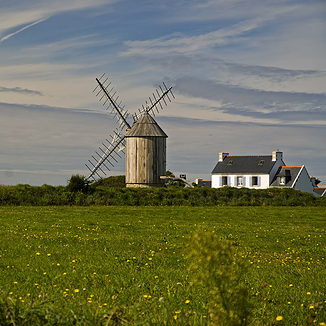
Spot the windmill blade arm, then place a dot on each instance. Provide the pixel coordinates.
(156, 103)
(105, 157)
(163, 95)
(90, 171)
(112, 102)
(170, 91)
(95, 172)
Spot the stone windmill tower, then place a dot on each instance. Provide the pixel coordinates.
(144, 141)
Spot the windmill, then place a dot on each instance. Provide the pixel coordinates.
(144, 141)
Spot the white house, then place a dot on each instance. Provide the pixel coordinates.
(251, 171)
(260, 172)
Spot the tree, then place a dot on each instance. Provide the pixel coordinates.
(169, 181)
(317, 181)
(78, 183)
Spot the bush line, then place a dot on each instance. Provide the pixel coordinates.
(46, 195)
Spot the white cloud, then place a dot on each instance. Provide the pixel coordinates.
(20, 30)
(251, 98)
(20, 90)
(34, 12)
(190, 45)
(268, 33)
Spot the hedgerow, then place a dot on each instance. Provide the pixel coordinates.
(46, 195)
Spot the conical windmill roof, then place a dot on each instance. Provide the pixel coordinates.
(146, 126)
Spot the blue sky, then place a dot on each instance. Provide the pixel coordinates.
(249, 78)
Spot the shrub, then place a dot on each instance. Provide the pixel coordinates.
(80, 191)
(112, 181)
(78, 183)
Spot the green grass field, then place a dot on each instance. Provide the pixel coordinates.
(129, 265)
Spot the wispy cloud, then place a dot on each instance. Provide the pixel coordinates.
(239, 19)
(194, 11)
(20, 90)
(274, 73)
(44, 172)
(286, 115)
(14, 16)
(178, 43)
(20, 30)
(215, 66)
(295, 106)
(197, 87)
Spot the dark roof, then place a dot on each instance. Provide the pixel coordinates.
(205, 183)
(245, 164)
(146, 126)
(289, 172)
(320, 191)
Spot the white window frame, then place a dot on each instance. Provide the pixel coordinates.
(239, 181)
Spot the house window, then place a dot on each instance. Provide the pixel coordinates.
(255, 181)
(224, 181)
(261, 162)
(282, 181)
(239, 181)
(230, 162)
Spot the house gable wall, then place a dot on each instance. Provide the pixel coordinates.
(303, 181)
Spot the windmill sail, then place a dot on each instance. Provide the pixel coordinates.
(111, 100)
(112, 149)
(154, 103)
(110, 153)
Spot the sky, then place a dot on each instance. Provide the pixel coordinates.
(249, 77)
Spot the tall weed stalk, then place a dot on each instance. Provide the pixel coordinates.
(220, 271)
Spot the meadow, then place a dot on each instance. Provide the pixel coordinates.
(128, 265)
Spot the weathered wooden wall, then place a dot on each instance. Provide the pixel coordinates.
(145, 161)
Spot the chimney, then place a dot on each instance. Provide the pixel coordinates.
(277, 155)
(313, 181)
(221, 156)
